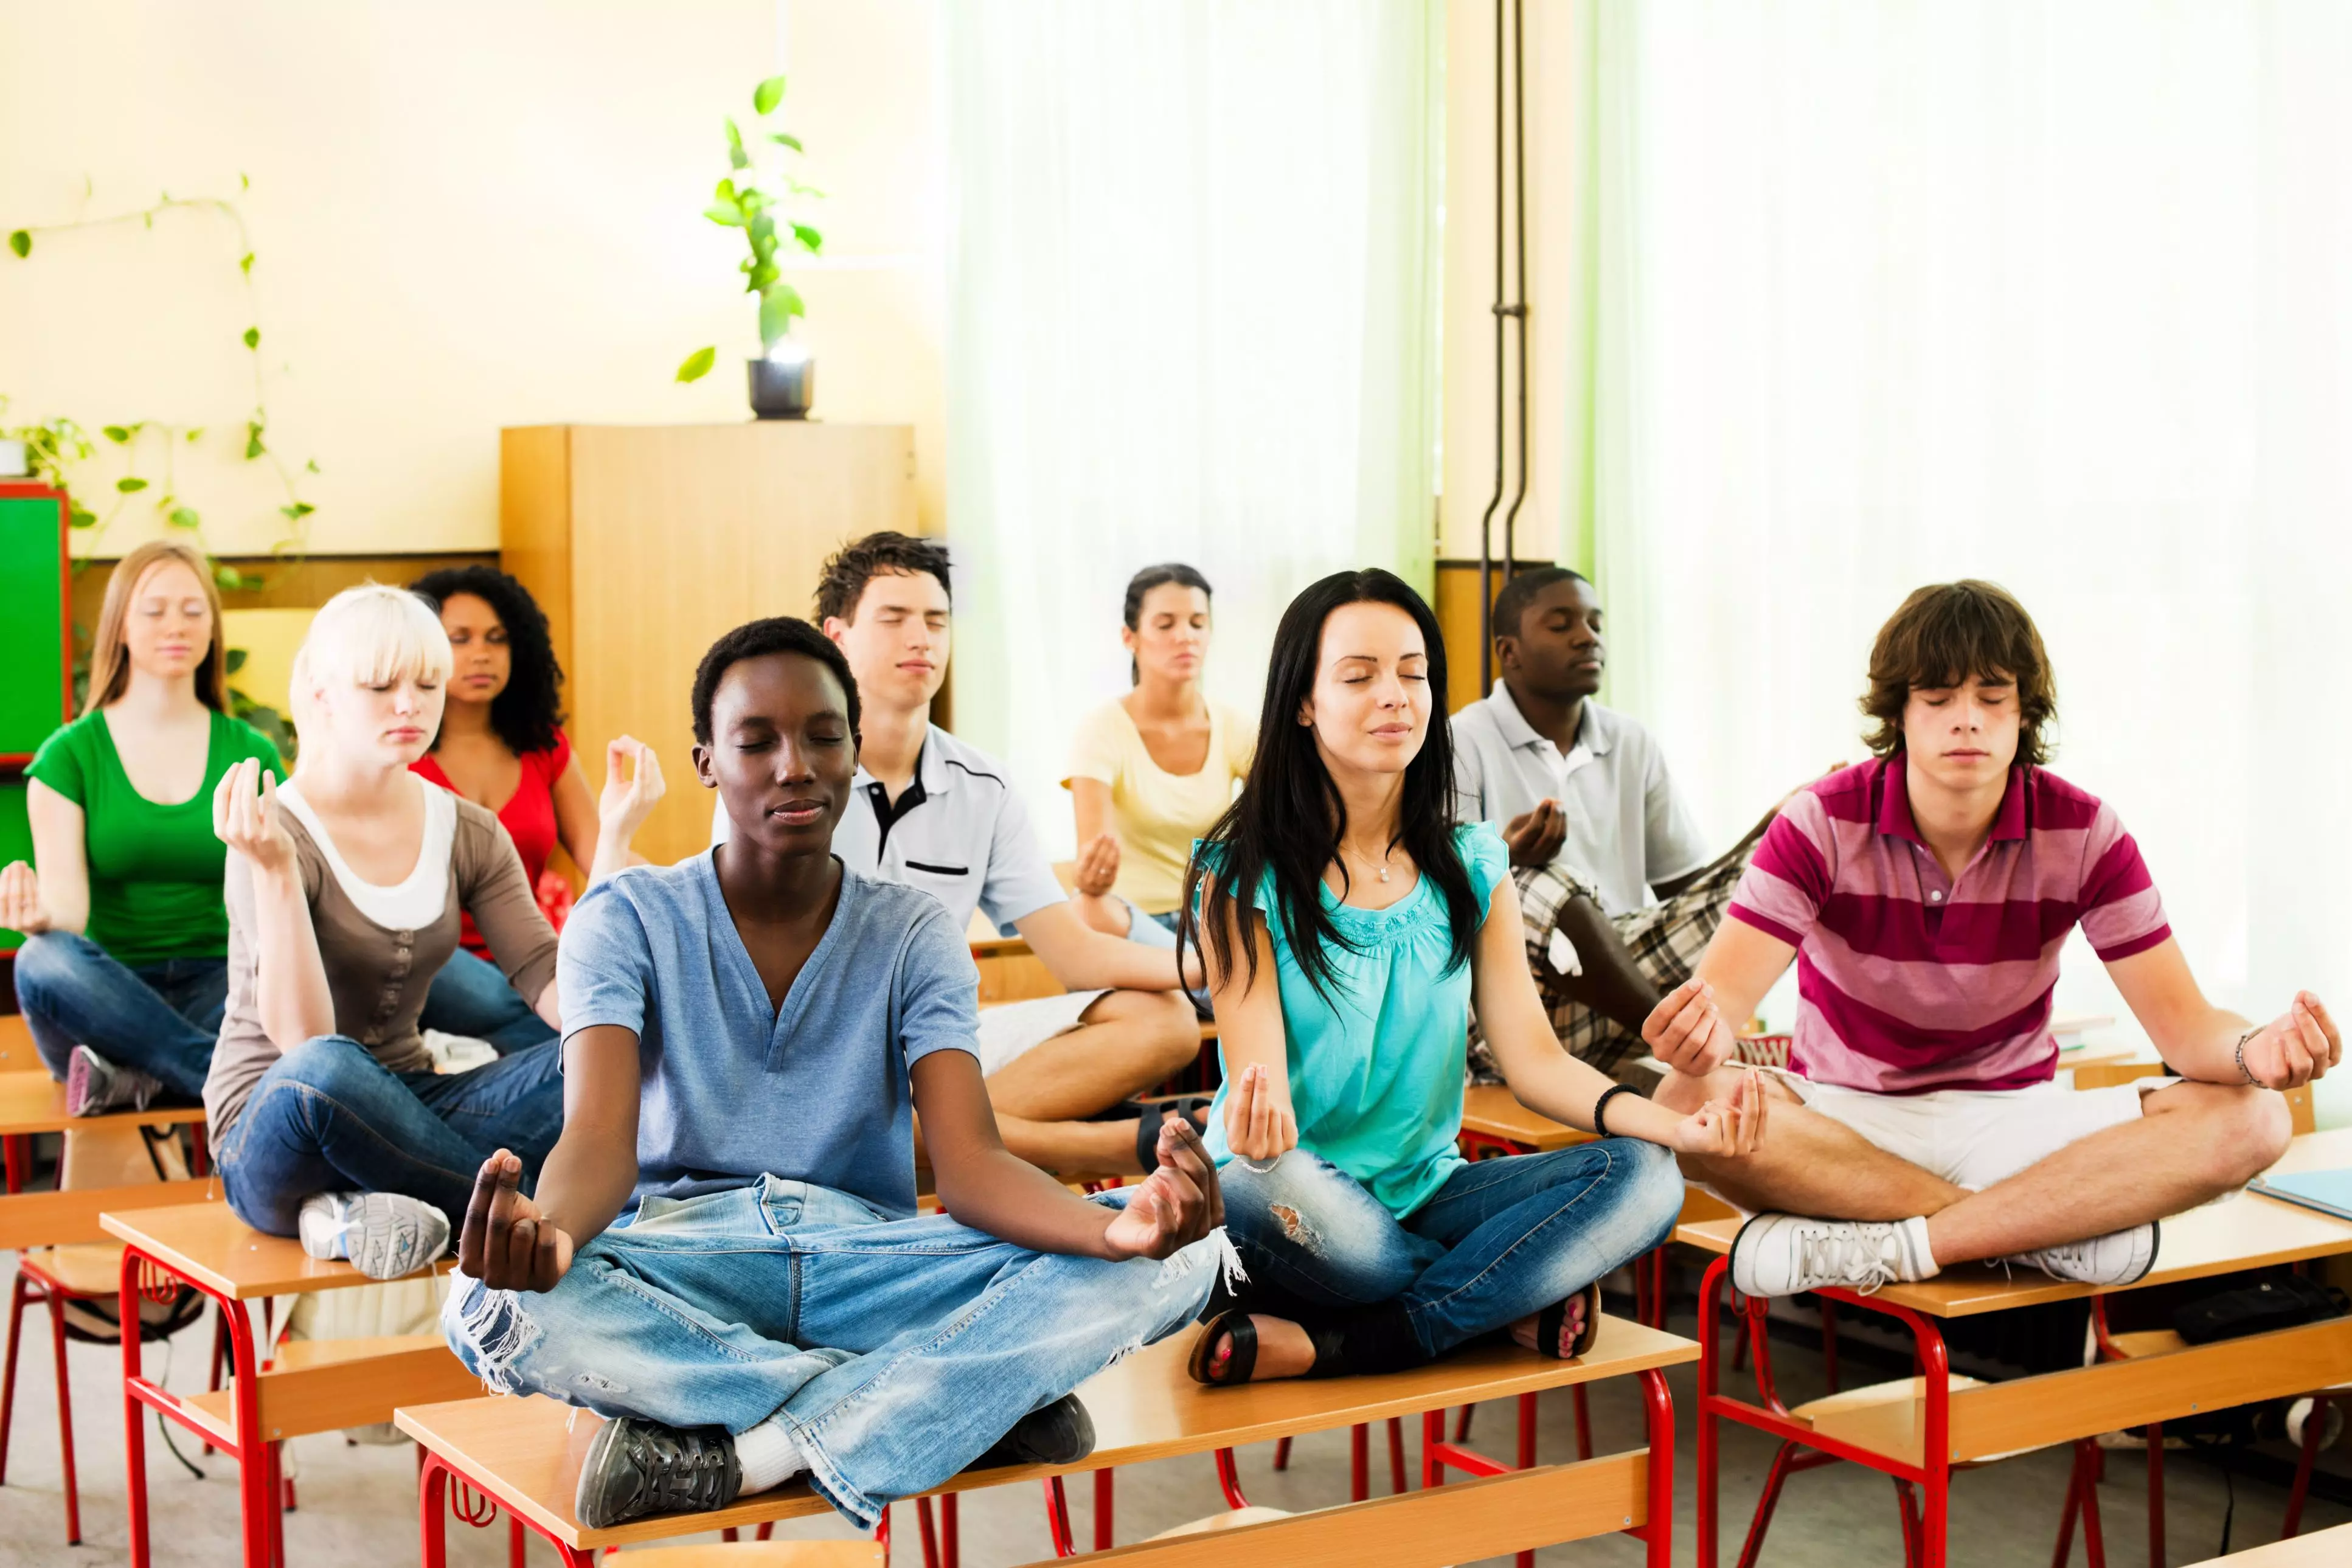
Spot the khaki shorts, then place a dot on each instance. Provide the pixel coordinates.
(1974, 1138)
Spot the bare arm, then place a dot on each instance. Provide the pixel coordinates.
(1097, 862)
(575, 817)
(2199, 1040)
(290, 990)
(1084, 958)
(52, 892)
(1546, 1078)
(511, 1242)
(1261, 1122)
(632, 788)
(985, 1186)
(1689, 1030)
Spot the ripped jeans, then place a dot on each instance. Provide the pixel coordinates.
(1500, 1240)
(894, 1354)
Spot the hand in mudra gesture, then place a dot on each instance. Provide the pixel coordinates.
(507, 1242)
(20, 900)
(2298, 1045)
(1098, 866)
(247, 819)
(1177, 1204)
(631, 793)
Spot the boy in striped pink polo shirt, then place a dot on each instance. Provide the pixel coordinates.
(1924, 895)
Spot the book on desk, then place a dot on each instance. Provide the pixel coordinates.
(2329, 1191)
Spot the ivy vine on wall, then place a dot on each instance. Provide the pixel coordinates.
(60, 449)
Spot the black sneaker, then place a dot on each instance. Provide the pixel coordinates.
(1061, 1433)
(637, 1467)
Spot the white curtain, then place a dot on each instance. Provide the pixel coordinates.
(2059, 295)
(1191, 316)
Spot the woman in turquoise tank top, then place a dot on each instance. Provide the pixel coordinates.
(1348, 925)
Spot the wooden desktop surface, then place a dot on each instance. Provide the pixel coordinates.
(207, 1244)
(1492, 1109)
(33, 1101)
(1145, 1407)
(2247, 1231)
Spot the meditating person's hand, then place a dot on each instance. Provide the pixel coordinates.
(1534, 837)
(1718, 1130)
(1177, 1205)
(20, 900)
(1687, 1030)
(630, 794)
(506, 1243)
(1260, 1126)
(2298, 1045)
(245, 817)
(1098, 866)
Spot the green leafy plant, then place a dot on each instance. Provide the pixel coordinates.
(60, 452)
(260, 715)
(761, 197)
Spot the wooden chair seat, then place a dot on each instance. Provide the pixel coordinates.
(2321, 1549)
(858, 1554)
(1832, 1413)
(1232, 1519)
(526, 1453)
(1491, 1112)
(324, 1385)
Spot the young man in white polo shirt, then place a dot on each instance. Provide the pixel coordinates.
(1586, 804)
(934, 812)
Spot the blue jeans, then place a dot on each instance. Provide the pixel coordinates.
(892, 1353)
(1501, 1240)
(161, 1018)
(472, 998)
(328, 1118)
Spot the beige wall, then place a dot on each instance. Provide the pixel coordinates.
(1557, 79)
(466, 215)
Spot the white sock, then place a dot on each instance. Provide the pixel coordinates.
(1915, 1231)
(768, 1456)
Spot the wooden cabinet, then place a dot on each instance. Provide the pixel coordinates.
(644, 543)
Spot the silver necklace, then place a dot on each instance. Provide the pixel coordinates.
(1383, 868)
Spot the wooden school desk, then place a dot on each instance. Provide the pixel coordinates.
(31, 1102)
(311, 1387)
(523, 1454)
(1919, 1439)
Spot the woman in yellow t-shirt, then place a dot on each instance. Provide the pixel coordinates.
(1153, 770)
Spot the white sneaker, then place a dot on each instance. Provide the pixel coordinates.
(1783, 1254)
(2118, 1258)
(383, 1234)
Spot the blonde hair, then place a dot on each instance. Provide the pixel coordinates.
(367, 635)
(110, 651)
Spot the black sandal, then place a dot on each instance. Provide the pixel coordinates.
(1192, 1108)
(1550, 1321)
(1241, 1359)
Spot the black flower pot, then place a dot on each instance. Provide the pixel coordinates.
(781, 388)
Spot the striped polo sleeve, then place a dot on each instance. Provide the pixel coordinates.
(2121, 912)
(1788, 877)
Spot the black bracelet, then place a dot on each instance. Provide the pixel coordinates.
(1600, 1106)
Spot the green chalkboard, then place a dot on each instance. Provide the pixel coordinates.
(32, 620)
(16, 843)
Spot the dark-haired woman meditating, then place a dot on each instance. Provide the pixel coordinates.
(1348, 925)
(502, 745)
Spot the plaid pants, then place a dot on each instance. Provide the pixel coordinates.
(1665, 941)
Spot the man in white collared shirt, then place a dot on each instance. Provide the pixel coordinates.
(1584, 799)
(937, 814)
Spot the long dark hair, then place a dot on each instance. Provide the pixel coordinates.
(527, 714)
(1288, 819)
(1152, 577)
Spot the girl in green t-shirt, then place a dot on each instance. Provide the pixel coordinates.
(1346, 926)
(123, 970)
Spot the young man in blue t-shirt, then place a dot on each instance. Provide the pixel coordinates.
(750, 1034)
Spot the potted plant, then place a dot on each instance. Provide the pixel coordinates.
(761, 196)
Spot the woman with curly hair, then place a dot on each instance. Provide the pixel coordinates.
(501, 745)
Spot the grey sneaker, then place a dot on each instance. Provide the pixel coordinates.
(1783, 1254)
(95, 1086)
(635, 1468)
(1061, 1433)
(383, 1234)
(2118, 1258)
